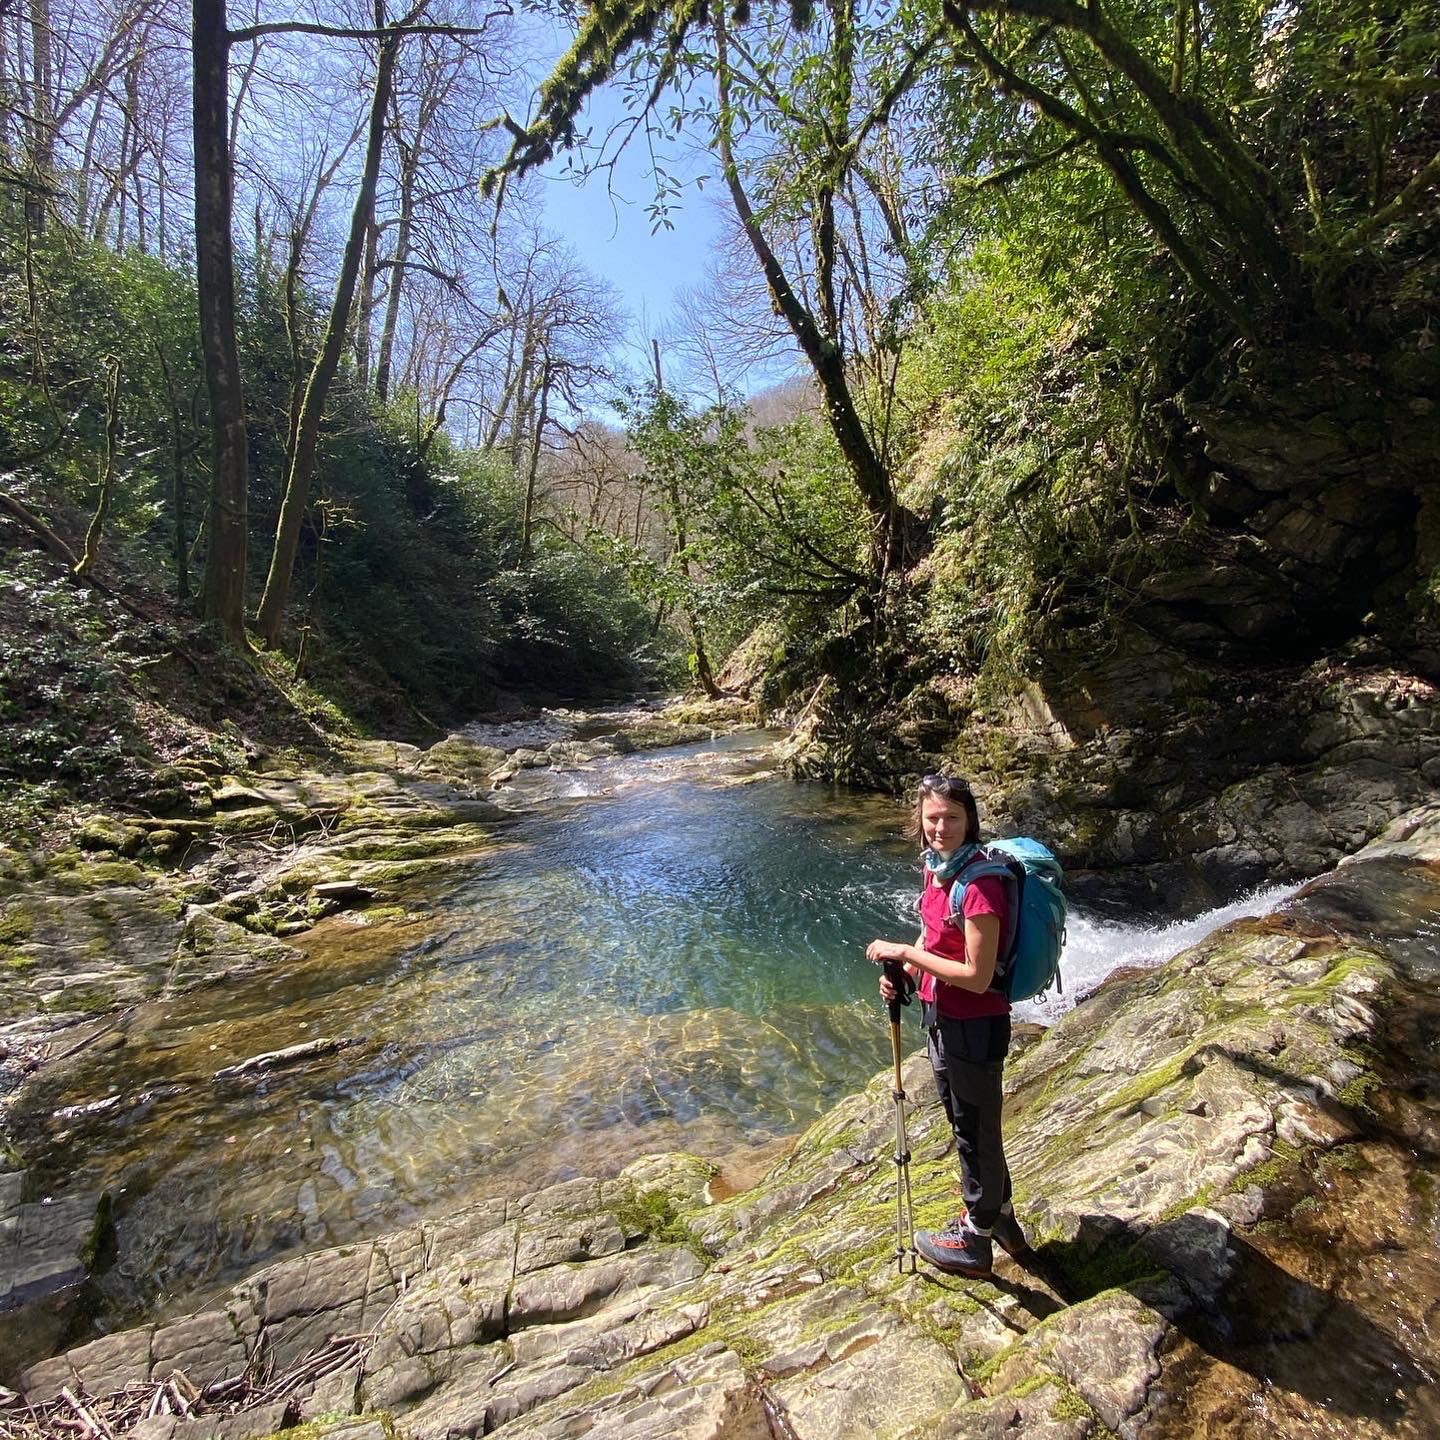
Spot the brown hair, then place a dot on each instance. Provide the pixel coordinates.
(945, 787)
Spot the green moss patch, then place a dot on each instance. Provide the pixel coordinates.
(1152, 1082)
(1284, 1160)
(654, 1214)
(99, 875)
(16, 926)
(1115, 1263)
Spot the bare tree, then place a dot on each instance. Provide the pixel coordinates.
(228, 521)
(306, 436)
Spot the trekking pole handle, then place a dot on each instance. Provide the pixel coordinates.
(895, 973)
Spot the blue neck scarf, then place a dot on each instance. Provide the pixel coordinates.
(948, 867)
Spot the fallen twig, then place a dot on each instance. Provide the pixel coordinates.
(93, 1426)
(271, 1059)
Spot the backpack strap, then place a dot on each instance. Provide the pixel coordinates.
(1002, 867)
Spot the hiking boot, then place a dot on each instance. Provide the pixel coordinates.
(957, 1249)
(1010, 1237)
(1005, 1232)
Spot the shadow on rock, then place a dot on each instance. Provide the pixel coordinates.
(1040, 1304)
(1245, 1311)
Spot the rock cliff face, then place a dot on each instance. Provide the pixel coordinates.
(1228, 1167)
(1159, 781)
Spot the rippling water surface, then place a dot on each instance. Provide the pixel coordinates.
(667, 954)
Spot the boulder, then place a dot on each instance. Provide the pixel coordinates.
(461, 759)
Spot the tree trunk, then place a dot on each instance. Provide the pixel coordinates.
(521, 399)
(896, 532)
(162, 180)
(93, 535)
(681, 539)
(317, 390)
(703, 673)
(366, 312)
(502, 406)
(527, 522)
(178, 495)
(397, 279)
(6, 115)
(87, 167)
(42, 132)
(228, 521)
(130, 152)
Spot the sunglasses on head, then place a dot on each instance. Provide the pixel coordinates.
(944, 785)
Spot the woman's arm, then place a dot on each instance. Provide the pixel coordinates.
(974, 972)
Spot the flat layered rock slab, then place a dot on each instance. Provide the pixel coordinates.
(704, 1396)
(882, 1389)
(47, 1250)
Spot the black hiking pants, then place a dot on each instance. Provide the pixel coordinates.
(968, 1058)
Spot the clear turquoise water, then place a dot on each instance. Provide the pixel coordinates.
(665, 959)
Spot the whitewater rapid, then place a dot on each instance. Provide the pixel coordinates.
(1095, 947)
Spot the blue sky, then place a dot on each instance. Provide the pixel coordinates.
(609, 226)
(607, 222)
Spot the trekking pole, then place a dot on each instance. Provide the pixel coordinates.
(904, 1207)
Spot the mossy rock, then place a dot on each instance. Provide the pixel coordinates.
(98, 875)
(230, 793)
(730, 711)
(163, 842)
(15, 867)
(681, 1177)
(257, 819)
(171, 788)
(660, 733)
(16, 925)
(102, 832)
(465, 760)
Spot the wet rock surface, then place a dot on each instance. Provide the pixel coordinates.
(1227, 1166)
(48, 1245)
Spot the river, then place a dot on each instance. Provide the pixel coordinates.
(660, 952)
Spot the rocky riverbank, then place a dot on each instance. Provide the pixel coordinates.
(1228, 1166)
(215, 870)
(215, 876)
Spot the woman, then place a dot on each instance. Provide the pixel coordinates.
(968, 1023)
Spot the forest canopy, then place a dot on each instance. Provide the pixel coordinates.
(281, 310)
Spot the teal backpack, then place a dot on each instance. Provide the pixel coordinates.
(1029, 958)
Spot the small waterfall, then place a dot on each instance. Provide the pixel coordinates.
(1094, 947)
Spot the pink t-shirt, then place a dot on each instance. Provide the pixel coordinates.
(985, 896)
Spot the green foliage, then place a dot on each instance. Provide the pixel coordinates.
(407, 582)
(765, 522)
(1348, 117)
(1038, 422)
(576, 626)
(1079, 210)
(67, 307)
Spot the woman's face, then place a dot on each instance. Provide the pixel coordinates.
(943, 824)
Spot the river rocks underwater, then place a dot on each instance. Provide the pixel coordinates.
(1227, 1165)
